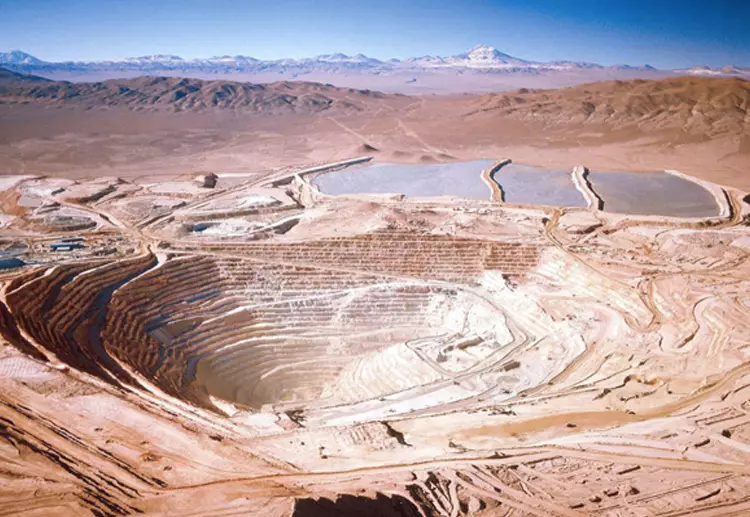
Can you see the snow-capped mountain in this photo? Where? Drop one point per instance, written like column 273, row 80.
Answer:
column 485, row 57
column 703, row 70
column 18, row 57
column 725, row 71
column 343, row 58
column 222, row 62
column 157, row 58
column 481, row 67
column 481, row 57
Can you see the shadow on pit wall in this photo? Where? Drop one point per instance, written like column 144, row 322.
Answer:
column 354, row 506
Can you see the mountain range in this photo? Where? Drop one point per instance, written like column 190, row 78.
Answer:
column 707, row 106
column 480, row 57
column 482, row 68
column 183, row 94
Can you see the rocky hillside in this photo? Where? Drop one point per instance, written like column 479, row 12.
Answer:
column 697, row 106
column 180, row 94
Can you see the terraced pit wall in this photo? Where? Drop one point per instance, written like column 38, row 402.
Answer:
column 434, row 257
column 178, row 323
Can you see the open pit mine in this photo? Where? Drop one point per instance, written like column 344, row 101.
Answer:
column 500, row 340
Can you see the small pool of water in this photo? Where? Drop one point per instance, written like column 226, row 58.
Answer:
column 11, row 263
column 528, row 185
column 446, row 179
column 652, row 193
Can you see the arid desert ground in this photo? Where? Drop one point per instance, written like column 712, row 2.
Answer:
column 210, row 304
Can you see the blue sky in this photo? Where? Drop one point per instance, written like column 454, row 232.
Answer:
column 663, row 33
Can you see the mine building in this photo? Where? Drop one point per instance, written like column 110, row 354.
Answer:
column 66, row 246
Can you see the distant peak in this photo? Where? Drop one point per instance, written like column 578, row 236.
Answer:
column 485, row 55
column 18, row 57
column 155, row 58
column 228, row 59
column 481, row 48
column 340, row 57
column 485, row 50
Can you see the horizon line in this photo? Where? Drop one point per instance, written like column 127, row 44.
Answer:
column 383, row 60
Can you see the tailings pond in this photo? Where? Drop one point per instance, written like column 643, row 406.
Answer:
column 638, row 193
column 448, row 179
column 657, row 193
column 527, row 185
